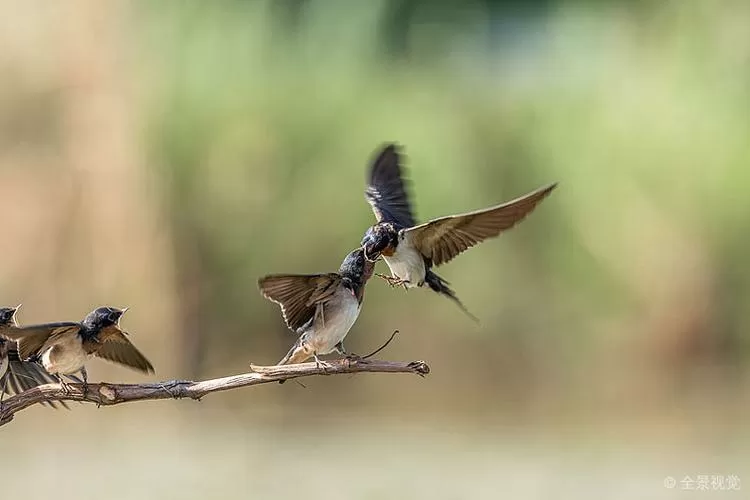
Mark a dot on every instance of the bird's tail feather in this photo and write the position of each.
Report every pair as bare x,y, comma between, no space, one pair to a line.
439,285
25,375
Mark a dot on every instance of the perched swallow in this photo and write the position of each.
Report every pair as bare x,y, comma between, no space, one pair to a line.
17,376
411,250
63,348
321,308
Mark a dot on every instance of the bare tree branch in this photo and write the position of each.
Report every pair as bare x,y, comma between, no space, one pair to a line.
105,394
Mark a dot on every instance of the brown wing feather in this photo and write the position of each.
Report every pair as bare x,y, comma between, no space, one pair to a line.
125,354
114,346
386,189
442,239
33,340
298,294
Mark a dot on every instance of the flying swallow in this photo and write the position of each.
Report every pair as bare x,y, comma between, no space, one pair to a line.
63,348
321,308
17,376
412,250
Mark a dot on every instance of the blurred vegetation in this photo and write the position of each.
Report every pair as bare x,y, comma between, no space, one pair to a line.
261,118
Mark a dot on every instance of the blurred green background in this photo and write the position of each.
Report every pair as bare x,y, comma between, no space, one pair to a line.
164,155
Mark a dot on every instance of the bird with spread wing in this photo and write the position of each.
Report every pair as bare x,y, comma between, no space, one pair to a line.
411,250
321,308
64,348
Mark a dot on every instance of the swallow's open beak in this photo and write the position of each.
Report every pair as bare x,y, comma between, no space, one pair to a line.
15,310
367,257
122,311
368,248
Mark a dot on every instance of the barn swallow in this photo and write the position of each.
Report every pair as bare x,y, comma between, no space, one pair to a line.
411,250
17,376
321,308
63,348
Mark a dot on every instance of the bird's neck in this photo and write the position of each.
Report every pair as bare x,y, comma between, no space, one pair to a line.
88,332
355,284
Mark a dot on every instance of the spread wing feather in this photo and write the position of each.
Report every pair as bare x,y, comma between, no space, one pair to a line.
33,340
124,353
386,189
299,294
441,240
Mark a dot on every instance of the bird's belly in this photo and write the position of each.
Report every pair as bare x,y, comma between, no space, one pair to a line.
332,327
407,264
65,358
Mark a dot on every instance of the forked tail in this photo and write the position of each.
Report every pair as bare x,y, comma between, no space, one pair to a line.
439,285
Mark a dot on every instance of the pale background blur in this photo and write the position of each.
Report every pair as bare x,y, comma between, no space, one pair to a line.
164,155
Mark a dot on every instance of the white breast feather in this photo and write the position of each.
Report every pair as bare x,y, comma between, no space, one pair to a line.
333,326
67,357
407,263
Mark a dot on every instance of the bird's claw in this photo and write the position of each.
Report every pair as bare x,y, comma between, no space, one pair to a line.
65,388
322,365
392,280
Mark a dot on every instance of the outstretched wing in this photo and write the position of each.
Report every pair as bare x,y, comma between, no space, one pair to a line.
299,294
386,190
440,240
32,340
117,348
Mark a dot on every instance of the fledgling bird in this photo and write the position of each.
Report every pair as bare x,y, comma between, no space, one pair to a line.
321,308
411,250
64,348
16,375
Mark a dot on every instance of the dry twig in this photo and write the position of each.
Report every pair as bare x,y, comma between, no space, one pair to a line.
105,394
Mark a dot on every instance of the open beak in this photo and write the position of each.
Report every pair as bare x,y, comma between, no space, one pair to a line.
364,251
15,310
123,311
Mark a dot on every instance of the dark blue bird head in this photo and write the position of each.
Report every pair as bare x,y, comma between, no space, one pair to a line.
356,267
380,239
103,317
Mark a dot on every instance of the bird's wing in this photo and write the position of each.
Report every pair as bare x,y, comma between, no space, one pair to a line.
299,294
440,240
386,189
35,339
115,346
